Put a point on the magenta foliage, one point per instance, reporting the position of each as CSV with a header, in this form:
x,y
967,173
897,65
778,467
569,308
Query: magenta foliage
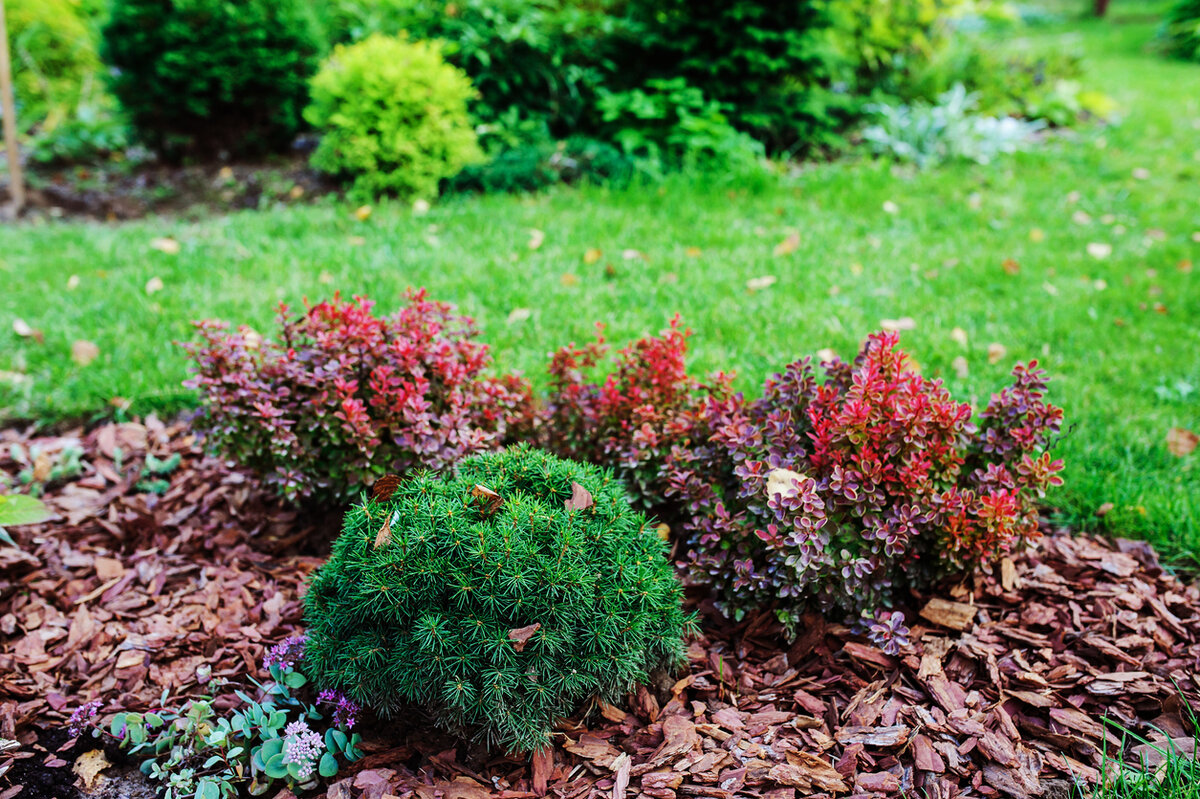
x,y
829,494
342,396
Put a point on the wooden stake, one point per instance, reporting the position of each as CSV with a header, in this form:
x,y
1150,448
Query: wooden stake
x,y
16,181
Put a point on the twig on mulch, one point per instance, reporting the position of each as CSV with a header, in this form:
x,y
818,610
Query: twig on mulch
x,y
1004,691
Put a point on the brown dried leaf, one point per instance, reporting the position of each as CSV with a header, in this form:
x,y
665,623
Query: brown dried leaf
x,y
488,501
1181,442
581,498
521,635
384,487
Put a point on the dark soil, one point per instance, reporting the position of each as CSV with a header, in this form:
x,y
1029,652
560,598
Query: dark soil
x,y
116,190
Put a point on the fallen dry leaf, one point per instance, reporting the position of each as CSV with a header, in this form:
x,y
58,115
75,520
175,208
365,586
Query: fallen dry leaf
x,y
521,635
1141,173
1010,266
536,237
1099,250
592,256
517,315
1081,218
72,282
959,336
693,252
897,325
362,213
22,328
1181,442
569,279
996,352
154,285
890,207
165,244
788,245
84,352
760,283
88,768
632,255
1037,235
961,369
782,482
581,498
420,207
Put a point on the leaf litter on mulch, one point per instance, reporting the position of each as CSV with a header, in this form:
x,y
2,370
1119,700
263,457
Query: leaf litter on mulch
x,y
1004,691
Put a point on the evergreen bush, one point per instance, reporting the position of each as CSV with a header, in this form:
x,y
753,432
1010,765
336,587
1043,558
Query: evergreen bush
x,y
499,598
393,116
199,78
1182,29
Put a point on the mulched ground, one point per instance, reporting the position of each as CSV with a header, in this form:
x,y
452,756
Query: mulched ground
x,y
111,191
1003,692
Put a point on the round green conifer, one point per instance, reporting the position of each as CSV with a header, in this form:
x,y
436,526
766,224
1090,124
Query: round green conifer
x,y
499,598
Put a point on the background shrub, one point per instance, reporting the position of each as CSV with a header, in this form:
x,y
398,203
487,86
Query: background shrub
x,y
1012,78
205,77
55,64
535,63
768,61
394,117
496,619
341,396
930,134
1182,29
672,125
532,167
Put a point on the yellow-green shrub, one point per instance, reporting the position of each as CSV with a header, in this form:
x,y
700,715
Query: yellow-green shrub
x,y
53,56
393,115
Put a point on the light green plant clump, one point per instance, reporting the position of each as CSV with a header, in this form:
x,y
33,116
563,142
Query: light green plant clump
x,y
393,117
498,599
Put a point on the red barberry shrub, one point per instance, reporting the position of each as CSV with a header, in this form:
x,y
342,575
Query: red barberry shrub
x,y
630,418
342,396
835,494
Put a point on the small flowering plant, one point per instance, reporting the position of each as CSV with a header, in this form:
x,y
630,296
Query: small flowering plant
x,y
267,743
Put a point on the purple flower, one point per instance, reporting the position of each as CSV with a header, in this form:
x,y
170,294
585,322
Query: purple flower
x,y
81,719
302,746
345,709
285,654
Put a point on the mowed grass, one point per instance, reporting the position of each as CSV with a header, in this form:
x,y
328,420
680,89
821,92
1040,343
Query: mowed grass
x,y
1119,333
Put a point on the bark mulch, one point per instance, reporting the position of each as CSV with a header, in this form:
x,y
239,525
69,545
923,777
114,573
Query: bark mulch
x,y
1005,690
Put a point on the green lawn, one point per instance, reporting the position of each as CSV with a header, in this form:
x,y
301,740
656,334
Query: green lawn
x,y
1125,372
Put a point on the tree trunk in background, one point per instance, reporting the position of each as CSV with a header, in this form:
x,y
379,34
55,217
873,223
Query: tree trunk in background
x,y
16,182
1101,7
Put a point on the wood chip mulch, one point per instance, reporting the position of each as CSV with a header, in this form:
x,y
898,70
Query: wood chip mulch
x,y
1003,692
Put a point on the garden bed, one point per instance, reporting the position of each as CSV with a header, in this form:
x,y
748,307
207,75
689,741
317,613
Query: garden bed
x,y
114,190
1002,692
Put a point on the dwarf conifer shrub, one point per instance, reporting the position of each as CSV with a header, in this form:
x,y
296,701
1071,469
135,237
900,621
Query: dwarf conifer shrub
x,y
393,116
498,599
342,396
